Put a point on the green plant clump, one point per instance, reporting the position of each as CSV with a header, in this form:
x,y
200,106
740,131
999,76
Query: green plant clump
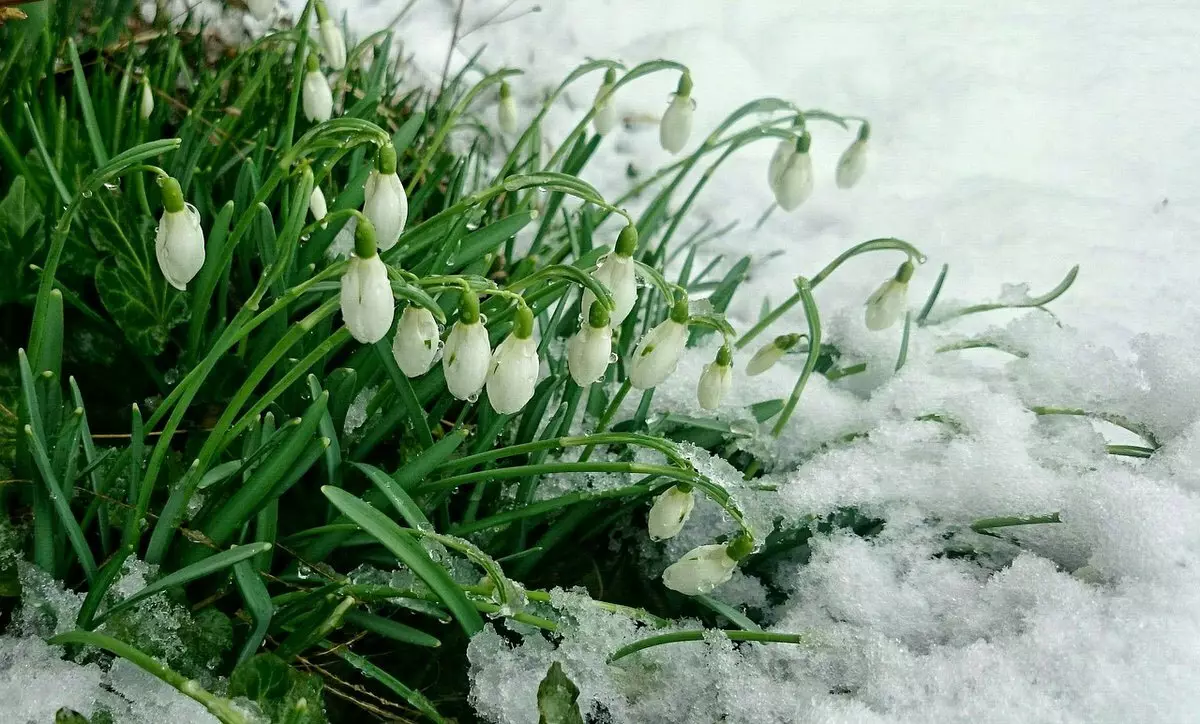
x,y
276,338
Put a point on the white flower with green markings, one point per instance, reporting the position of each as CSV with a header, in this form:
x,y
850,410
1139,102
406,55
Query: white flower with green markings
x,y
315,95
368,306
716,380
705,567
417,342
316,204
333,42
770,353
657,355
179,241
589,351
670,511
467,354
890,301
794,182
604,117
513,374
618,273
853,163
676,125
506,110
385,202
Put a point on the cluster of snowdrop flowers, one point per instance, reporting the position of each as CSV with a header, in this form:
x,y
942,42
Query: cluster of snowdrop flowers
x,y
790,171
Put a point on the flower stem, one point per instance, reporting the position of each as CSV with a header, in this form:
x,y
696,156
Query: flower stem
x,y
804,290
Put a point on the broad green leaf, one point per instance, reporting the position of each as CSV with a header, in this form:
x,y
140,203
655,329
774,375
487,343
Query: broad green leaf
x,y
20,241
141,302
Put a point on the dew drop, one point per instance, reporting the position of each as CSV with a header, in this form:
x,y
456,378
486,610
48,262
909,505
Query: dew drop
x,y
612,358
483,319
87,194
473,397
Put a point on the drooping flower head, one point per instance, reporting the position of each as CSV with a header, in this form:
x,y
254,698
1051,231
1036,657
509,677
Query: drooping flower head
x,y
385,202
704,568
770,353
853,163
889,302
367,303
466,356
657,355
514,369
670,511
315,94
589,351
179,243
417,342
506,110
617,272
604,119
716,379
333,42
794,184
676,125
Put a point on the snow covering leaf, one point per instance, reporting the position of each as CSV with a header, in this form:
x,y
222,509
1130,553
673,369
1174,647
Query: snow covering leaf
x,y
557,696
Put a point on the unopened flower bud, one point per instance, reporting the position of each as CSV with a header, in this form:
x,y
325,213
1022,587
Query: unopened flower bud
x,y
179,242
889,302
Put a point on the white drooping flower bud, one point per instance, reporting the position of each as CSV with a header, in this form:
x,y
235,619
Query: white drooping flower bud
x,y
367,303
617,272
657,355
315,94
417,341
605,117
704,568
506,110
466,356
716,379
589,351
770,353
179,243
779,159
316,204
669,512
333,43
889,302
794,184
514,370
260,9
147,106
853,163
385,202
676,125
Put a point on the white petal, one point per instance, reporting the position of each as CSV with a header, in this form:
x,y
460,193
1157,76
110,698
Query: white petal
x,y
764,359
676,124
179,246
367,304
507,115
795,183
887,305
147,101
670,511
417,341
386,205
616,273
605,119
783,152
657,356
513,374
700,570
333,45
588,354
316,204
318,99
852,165
714,384
466,359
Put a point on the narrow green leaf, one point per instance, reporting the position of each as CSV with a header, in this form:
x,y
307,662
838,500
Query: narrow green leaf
x,y
61,505
85,106
258,605
388,628
412,696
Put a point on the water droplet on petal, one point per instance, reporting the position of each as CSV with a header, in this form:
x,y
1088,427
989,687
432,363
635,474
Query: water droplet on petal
x,y
612,358
473,397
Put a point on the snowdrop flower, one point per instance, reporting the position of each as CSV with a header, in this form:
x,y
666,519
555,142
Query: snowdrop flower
x,y
670,511
514,368
315,93
604,119
367,304
770,353
147,99
417,341
853,162
260,9
333,43
779,160
616,272
506,110
316,204
704,568
676,123
890,300
657,355
179,243
794,184
384,201
467,351
590,350
716,379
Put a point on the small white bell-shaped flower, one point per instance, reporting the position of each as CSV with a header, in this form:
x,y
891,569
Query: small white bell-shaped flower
x,y
794,184
590,350
716,379
617,272
889,302
385,202
657,355
315,94
466,356
260,9
604,116
333,43
514,370
179,243
704,568
853,163
506,110
676,125
147,106
670,511
770,353
417,341
367,303
316,204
